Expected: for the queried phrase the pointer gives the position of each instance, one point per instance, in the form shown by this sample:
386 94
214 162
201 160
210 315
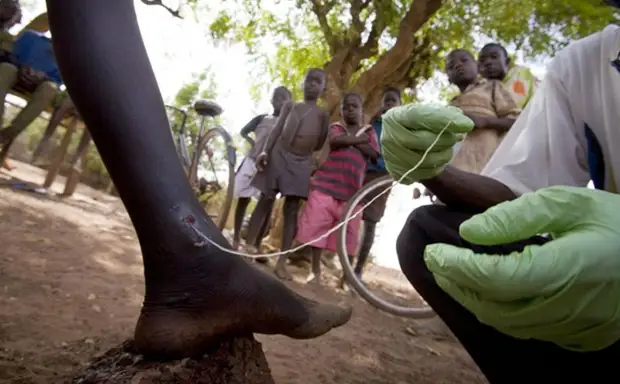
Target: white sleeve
546 145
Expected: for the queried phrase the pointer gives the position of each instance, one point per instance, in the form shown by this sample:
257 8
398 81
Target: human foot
280 269
314 280
7 165
214 305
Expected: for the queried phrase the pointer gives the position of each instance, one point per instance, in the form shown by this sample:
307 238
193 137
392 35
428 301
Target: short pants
321 213
374 212
243 180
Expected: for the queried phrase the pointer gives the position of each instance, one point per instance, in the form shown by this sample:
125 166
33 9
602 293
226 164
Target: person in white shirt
564 137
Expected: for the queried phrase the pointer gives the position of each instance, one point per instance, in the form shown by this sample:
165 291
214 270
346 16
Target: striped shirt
342 173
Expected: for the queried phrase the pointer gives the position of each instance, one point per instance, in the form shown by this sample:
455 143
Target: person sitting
336 181
487 102
32 70
495 64
508 293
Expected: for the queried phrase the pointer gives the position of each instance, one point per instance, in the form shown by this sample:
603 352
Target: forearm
368 151
466 190
346 141
500 125
249 139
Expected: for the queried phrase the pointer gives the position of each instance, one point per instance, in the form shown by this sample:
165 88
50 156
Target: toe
321 319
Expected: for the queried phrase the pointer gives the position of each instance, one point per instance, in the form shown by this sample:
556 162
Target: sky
179 48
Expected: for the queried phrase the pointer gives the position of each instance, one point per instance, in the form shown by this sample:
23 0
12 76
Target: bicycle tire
351 277
231 159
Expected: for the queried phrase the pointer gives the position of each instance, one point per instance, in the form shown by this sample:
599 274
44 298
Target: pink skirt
321 213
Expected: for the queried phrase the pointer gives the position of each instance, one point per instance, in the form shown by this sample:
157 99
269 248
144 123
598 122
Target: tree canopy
365 45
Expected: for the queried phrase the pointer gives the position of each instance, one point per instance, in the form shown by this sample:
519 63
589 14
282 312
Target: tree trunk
237 361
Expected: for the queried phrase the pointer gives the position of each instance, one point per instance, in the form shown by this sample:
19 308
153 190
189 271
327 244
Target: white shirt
549 144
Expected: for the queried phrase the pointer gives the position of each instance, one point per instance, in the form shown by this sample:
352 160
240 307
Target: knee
8 68
47 90
412 241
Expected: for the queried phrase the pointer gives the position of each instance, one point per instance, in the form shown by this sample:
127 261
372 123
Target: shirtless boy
285 164
261 126
336 181
487 102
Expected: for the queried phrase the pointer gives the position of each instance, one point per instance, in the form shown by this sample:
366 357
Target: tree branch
418 14
321 9
176 13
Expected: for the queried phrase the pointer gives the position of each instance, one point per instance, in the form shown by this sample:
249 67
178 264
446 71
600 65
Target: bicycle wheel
352 279
221 162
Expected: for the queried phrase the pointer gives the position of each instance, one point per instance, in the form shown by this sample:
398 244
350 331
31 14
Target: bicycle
193 161
351 278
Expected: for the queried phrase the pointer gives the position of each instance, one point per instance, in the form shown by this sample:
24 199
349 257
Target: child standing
487 102
375 169
285 163
261 126
336 181
494 64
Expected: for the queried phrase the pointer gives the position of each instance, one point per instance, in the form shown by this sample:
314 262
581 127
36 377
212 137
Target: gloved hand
566 291
409 130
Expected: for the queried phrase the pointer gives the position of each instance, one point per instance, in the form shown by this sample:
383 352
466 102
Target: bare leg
367 241
41 99
65 106
259 218
291 208
316 265
242 206
194 295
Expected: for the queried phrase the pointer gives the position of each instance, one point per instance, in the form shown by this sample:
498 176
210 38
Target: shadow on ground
71 287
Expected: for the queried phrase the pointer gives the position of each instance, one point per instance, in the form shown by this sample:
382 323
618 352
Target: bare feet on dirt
185 318
7 165
314 280
281 271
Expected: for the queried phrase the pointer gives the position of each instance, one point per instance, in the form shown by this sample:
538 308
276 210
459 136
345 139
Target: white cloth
547 144
243 180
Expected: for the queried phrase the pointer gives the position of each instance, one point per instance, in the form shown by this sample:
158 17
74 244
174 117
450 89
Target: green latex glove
566 291
409 130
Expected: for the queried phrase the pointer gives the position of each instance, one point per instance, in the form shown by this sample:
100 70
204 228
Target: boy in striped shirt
336 181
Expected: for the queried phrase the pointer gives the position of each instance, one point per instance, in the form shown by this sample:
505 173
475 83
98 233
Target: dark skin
351 111
462 71
195 295
493 63
468 191
389 100
278 99
314 86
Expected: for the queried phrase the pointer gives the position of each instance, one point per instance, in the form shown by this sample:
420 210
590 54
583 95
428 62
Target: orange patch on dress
518 87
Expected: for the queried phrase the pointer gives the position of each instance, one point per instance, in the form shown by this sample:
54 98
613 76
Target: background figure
261 126
487 102
285 165
336 181
375 169
31 70
494 64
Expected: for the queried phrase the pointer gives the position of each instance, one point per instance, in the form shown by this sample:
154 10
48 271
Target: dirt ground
71 287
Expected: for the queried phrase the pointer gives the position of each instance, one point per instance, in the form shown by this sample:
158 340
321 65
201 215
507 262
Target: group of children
492 95
281 162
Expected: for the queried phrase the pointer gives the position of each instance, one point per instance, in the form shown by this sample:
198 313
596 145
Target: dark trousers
502 359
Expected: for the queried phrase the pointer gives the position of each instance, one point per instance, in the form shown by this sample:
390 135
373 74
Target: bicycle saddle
208 108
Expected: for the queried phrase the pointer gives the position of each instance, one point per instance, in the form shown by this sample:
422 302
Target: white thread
332 230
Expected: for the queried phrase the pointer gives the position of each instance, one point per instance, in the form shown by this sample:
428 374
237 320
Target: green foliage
355 39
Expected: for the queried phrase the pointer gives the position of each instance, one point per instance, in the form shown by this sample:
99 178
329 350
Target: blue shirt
379 166
32 49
